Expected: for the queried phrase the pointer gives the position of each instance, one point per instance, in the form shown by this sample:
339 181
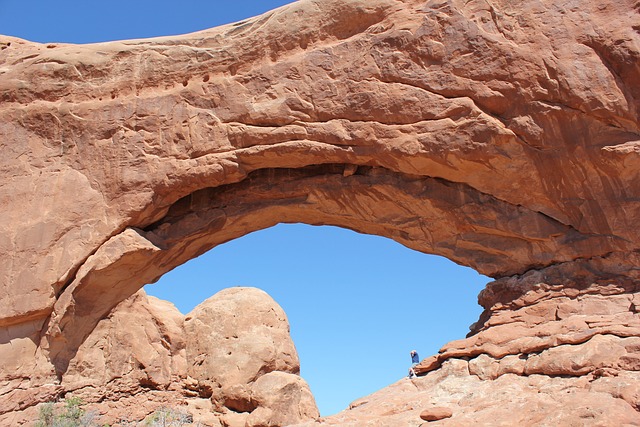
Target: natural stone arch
371 200
450 128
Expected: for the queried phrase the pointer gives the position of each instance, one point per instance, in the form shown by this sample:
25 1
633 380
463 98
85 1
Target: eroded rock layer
503 135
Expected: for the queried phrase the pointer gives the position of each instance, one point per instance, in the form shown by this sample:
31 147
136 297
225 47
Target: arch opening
427 214
356 303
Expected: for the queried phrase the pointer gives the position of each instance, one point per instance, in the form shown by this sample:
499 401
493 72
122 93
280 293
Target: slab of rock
435 414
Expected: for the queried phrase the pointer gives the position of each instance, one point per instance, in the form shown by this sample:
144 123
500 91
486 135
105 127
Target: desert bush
169 417
71 415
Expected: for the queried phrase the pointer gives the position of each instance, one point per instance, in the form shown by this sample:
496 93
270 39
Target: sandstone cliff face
501 135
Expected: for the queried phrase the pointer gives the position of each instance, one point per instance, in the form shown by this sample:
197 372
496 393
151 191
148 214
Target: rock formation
503 135
548 355
240 355
230 362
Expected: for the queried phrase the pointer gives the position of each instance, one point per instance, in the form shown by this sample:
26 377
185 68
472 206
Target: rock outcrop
133 363
503 135
230 362
240 355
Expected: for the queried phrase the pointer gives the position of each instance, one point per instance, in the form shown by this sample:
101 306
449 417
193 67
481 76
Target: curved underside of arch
503 136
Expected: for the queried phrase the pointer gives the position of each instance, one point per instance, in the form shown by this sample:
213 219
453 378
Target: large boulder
240 354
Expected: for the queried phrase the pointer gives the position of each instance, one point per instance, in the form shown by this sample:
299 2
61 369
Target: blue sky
357 304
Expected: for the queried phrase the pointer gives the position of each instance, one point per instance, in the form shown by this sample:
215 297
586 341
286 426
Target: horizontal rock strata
562 314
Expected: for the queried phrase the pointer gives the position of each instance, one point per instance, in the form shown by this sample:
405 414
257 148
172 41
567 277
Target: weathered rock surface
536 400
503 135
133 362
238 345
233 349
282 399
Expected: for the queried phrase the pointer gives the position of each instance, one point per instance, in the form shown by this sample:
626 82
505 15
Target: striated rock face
504 136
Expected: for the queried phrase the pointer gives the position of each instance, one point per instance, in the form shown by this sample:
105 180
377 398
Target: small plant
168 417
46 415
72 415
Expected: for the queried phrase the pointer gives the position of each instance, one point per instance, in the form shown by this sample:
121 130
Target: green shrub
46 416
72 415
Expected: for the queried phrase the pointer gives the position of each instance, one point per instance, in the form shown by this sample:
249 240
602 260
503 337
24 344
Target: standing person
415 359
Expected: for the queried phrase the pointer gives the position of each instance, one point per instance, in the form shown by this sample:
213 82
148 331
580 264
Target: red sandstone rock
509 400
427 365
241 356
282 399
140 346
435 414
501 135
440 123
145 356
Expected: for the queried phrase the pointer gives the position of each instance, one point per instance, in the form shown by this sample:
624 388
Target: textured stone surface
146 355
282 399
240 355
235 337
536 400
436 413
503 135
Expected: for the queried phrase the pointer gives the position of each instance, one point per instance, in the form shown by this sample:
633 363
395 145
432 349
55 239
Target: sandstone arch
503 136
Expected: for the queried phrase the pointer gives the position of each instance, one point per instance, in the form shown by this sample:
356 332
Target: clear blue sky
357 304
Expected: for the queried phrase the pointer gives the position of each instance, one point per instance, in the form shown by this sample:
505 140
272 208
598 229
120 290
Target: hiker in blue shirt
415 359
